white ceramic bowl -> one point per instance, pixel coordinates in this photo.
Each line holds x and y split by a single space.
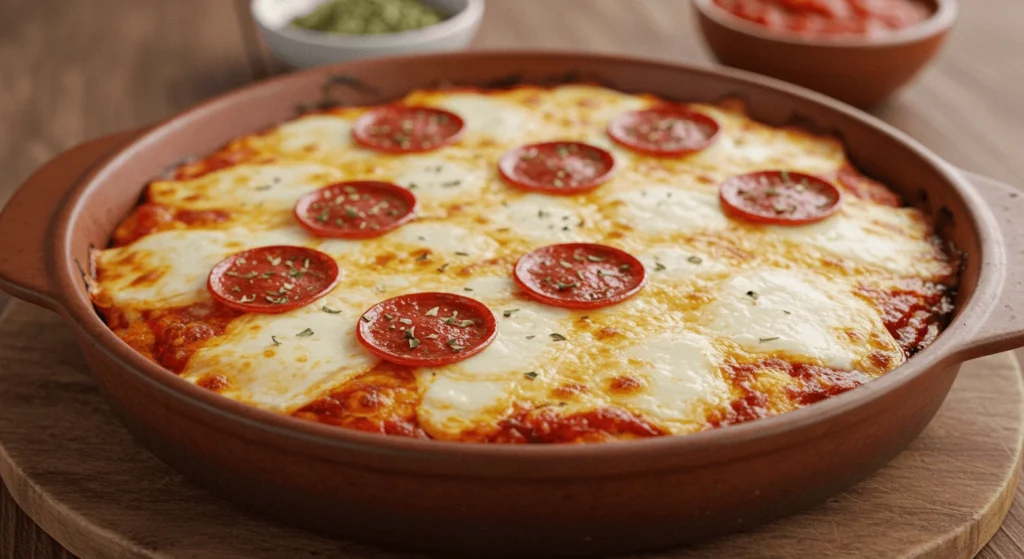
304 48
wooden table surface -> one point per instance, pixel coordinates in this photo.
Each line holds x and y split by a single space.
70 71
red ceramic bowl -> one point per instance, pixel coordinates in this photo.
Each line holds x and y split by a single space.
512 500
860 71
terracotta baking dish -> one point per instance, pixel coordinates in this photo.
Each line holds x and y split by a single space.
512 500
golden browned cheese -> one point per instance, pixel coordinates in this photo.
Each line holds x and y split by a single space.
738 320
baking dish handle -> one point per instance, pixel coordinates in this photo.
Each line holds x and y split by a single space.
27 220
1003 329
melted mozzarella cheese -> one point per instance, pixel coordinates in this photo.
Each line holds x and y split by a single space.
452 405
316 134
433 178
863 233
461 394
262 187
778 311
394 285
269 364
338 247
489 117
522 341
744 146
681 379
593 107
676 263
535 216
445 239
673 340
600 139
664 209
170 268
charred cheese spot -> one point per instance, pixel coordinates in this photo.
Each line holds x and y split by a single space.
607 332
147 278
738 320
213 383
384 259
569 391
626 384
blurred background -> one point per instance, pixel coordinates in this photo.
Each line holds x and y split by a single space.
73 70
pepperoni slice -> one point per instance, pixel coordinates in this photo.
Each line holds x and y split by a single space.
427 329
272 279
355 209
780 197
557 167
404 129
580 275
664 130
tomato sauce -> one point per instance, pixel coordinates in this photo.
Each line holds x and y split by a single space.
819 383
382 401
741 410
227 157
915 314
814 383
547 425
825 18
171 336
752 405
151 218
856 183
385 401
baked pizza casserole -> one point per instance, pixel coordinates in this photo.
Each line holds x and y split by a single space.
526 265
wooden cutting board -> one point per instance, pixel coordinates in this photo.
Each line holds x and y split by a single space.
78 474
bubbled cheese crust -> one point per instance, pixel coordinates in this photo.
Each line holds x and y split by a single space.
738 320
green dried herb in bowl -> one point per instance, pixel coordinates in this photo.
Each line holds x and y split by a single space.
369 17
